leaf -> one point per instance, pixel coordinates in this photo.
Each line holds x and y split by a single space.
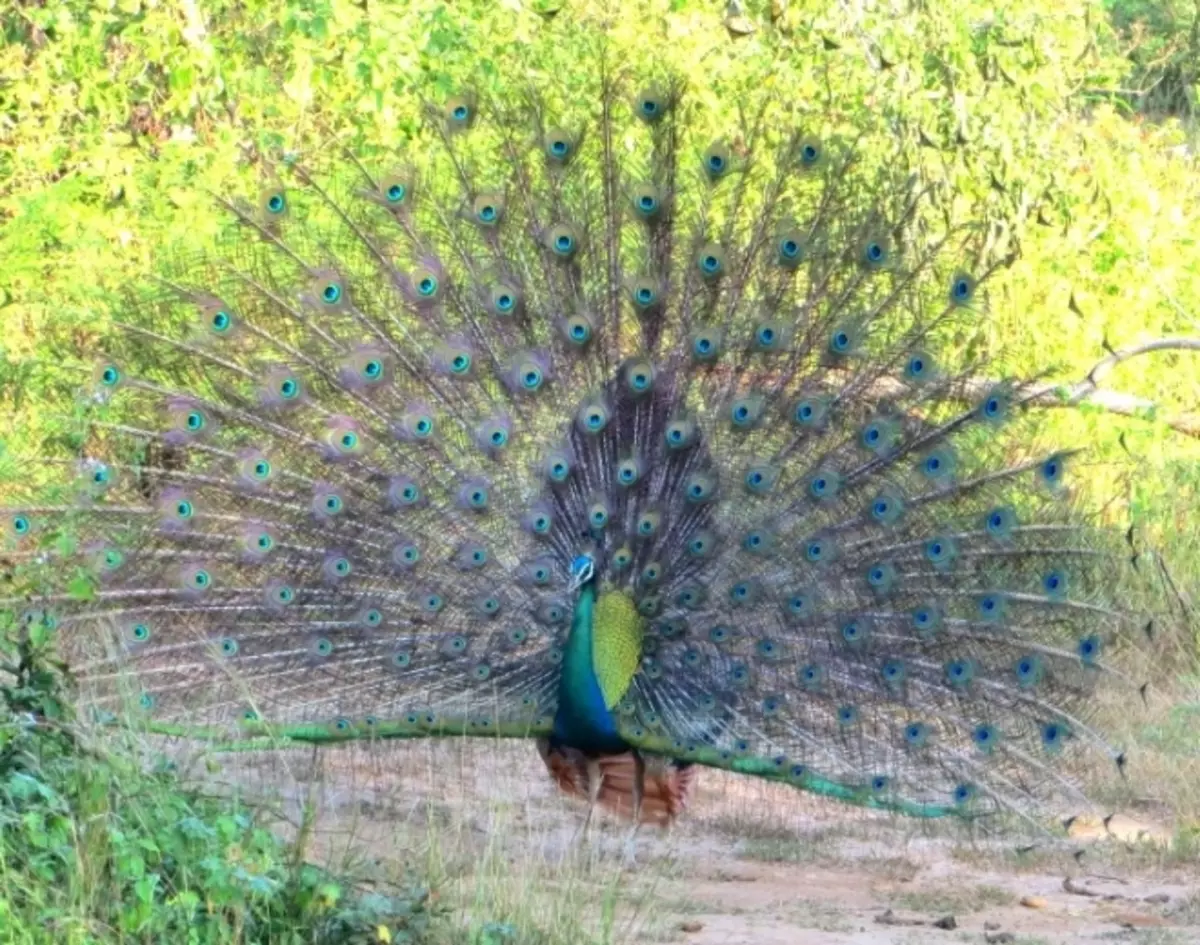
81 589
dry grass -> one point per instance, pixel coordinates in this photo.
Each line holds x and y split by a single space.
503 850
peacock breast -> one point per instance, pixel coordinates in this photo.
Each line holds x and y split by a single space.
616 644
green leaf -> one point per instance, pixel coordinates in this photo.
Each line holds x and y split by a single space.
82 589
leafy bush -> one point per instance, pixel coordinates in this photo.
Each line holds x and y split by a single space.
1161 39
95 849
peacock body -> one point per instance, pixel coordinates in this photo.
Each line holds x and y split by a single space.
601 424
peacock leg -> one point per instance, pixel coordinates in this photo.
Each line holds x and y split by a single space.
639 786
639 794
595 778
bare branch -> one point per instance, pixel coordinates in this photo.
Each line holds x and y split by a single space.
1088 386
1128 405
1087 389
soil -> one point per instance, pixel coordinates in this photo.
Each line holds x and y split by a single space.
748 863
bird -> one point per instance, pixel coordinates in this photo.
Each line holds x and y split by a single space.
661 438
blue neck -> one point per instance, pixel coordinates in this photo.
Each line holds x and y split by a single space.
583 721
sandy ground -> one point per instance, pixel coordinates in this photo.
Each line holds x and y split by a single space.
748 863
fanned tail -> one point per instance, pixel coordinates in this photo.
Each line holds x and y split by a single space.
340 470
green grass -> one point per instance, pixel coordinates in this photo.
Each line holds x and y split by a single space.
119 117
96 846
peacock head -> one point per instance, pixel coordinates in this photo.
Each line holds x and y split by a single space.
583 570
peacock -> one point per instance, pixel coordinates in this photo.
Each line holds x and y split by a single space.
662 439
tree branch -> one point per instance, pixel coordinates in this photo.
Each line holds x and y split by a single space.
1088 389
1089 384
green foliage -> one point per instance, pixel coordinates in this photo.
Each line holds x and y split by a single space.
1162 39
121 119
95 849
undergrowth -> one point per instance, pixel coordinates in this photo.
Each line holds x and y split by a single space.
95 848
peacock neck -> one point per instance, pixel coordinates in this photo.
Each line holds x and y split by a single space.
583 719
581 641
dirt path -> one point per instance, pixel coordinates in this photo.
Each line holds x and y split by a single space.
749 863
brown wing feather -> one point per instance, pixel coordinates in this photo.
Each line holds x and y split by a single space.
669 786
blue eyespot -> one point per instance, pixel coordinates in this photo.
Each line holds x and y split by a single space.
1054 583
940 551
1052 471
874 253
960 672
841 342
919 367
1053 735
985 737
1028 671
926 619
995 408
853 632
1089 649
962 289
